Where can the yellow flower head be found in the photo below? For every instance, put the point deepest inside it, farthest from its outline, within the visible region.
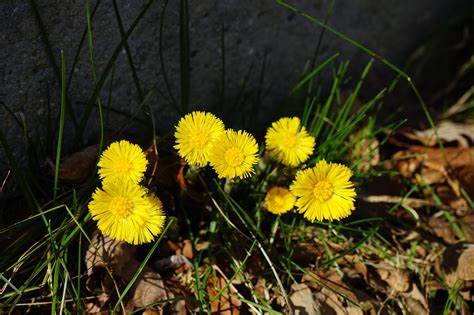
(122, 161)
(195, 135)
(279, 200)
(289, 142)
(234, 155)
(324, 191)
(125, 212)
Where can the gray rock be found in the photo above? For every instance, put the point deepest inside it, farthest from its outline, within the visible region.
(256, 34)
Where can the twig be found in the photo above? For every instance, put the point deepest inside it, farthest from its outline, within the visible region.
(408, 202)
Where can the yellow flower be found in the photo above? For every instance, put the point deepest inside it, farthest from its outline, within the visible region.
(234, 155)
(324, 191)
(195, 135)
(289, 142)
(279, 200)
(122, 161)
(125, 212)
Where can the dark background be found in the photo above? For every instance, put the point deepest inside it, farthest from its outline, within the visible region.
(264, 44)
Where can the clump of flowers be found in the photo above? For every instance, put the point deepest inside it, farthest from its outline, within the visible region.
(288, 142)
(123, 209)
(127, 211)
(322, 192)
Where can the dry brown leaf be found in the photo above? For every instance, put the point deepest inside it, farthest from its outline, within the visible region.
(307, 253)
(457, 266)
(77, 167)
(467, 227)
(118, 258)
(465, 270)
(302, 300)
(225, 304)
(448, 131)
(416, 302)
(94, 308)
(329, 302)
(398, 280)
(450, 169)
(262, 290)
(441, 227)
(331, 280)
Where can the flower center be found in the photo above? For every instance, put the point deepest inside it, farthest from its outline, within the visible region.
(323, 190)
(289, 140)
(278, 200)
(234, 157)
(123, 165)
(121, 206)
(200, 138)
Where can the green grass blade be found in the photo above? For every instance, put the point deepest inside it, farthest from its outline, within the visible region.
(61, 125)
(313, 73)
(79, 46)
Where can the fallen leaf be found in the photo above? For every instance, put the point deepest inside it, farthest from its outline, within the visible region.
(77, 167)
(329, 280)
(397, 279)
(302, 300)
(416, 302)
(447, 131)
(118, 258)
(452, 167)
(307, 253)
(465, 270)
(225, 303)
(467, 227)
(441, 227)
(457, 266)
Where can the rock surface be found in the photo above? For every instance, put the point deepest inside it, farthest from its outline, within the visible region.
(259, 37)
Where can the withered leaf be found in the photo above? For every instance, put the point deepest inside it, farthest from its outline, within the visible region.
(302, 299)
(448, 131)
(225, 304)
(77, 167)
(397, 279)
(119, 258)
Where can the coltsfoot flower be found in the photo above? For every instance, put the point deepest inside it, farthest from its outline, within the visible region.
(324, 192)
(195, 135)
(279, 200)
(234, 154)
(288, 142)
(126, 212)
(122, 161)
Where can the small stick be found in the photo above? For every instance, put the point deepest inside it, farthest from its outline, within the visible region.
(410, 202)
